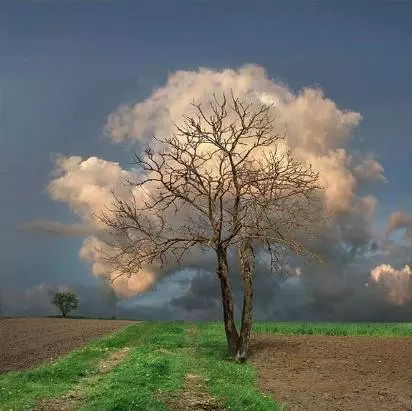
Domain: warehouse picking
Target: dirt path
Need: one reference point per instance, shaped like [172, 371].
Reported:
[28, 342]
[335, 373]
[73, 399]
[194, 395]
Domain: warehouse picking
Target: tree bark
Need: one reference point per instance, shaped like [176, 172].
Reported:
[232, 335]
[246, 267]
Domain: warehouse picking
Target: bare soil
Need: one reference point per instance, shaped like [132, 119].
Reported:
[28, 342]
[335, 373]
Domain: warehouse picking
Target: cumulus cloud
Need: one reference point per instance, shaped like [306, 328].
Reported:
[316, 130]
[92, 250]
[87, 185]
[398, 283]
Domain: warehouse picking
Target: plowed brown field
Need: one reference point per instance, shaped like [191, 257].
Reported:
[322, 373]
[27, 342]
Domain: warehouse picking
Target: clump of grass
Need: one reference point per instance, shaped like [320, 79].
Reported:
[20, 390]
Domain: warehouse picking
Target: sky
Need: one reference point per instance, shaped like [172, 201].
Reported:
[67, 66]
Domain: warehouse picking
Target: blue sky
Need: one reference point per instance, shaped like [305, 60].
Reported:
[64, 66]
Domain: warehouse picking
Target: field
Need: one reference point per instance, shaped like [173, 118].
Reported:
[181, 366]
[26, 342]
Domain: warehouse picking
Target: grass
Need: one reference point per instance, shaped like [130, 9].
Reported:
[337, 329]
[328, 328]
[148, 369]
[226, 377]
[21, 390]
[160, 356]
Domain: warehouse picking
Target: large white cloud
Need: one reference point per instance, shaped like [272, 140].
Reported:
[316, 130]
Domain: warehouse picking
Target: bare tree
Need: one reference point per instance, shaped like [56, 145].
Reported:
[224, 180]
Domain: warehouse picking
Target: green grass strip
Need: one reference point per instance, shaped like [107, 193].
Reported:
[21, 390]
[337, 329]
[329, 328]
[234, 384]
[152, 371]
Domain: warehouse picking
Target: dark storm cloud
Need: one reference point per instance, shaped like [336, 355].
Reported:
[333, 291]
[203, 294]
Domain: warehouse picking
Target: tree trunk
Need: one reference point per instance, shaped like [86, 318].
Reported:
[246, 268]
[232, 335]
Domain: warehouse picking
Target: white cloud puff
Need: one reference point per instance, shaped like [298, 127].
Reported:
[87, 185]
[397, 282]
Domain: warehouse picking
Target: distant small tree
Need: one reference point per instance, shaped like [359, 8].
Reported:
[65, 301]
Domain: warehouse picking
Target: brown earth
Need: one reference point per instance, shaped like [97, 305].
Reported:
[28, 342]
[335, 373]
